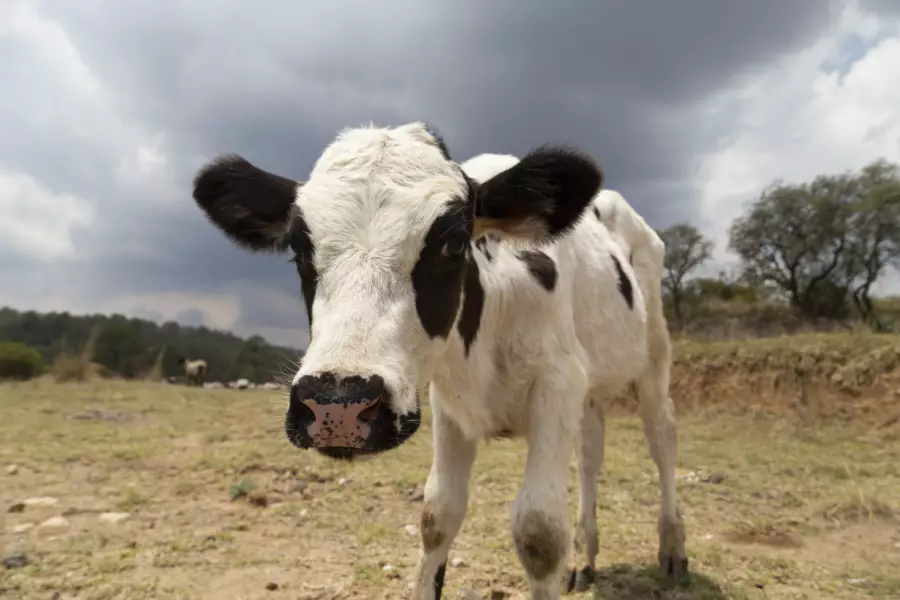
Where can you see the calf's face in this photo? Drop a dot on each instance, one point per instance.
(381, 234)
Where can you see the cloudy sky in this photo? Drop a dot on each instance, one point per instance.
(108, 107)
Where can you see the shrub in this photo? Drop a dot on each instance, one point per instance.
(18, 361)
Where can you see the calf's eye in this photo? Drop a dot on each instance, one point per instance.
(454, 247)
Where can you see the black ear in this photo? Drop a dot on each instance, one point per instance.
(251, 206)
(541, 197)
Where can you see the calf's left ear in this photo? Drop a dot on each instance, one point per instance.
(250, 206)
(541, 197)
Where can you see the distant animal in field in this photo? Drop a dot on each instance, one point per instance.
(194, 371)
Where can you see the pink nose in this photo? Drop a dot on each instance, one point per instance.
(339, 424)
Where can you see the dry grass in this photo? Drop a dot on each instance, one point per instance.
(221, 505)
(68, 366)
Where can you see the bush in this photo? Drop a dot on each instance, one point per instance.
(18, 361)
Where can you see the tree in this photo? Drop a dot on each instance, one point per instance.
(686, 249)
(794, 237)
(875, 234)
(824, 242)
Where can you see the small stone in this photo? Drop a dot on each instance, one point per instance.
(716, 478)
(304, 513)
(499, 595)
(468, 594)
(15, 561)
(41, 501)
(55, 522)
(457, 562)
(12, 469)
(114, 517)
(390, 572)
(412, 530)
(416, 494)
(344, 481)
(257, 498)
(271, 586)
(17, 507)
(22, 527)
(299, 487)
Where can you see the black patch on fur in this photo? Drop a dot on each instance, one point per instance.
(437, 279)
(249, 205)
(597, 214)
(482, 245)
(297, 238)
(439, 581)
(541, 267)
(624, 283)
(439, 139)
(473, 305)
(553, 184)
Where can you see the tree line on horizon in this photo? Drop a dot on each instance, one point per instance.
(130, 347)
(817, 247)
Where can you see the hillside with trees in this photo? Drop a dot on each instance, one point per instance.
(808, 256)
(130, 347)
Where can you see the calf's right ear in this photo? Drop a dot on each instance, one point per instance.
(251, 206)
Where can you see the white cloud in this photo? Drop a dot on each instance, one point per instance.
(828, 109)
(38, 222)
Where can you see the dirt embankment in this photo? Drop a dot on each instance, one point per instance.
(848, 377)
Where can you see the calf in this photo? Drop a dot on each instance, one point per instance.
(194, 371)
(485, 282)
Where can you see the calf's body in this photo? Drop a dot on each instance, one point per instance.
(505, 285)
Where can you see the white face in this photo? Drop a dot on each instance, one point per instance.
(381, 234)
(380, 207)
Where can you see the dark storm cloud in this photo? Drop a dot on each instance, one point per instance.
(276, 83)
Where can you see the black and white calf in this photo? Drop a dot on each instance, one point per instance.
(506, 285)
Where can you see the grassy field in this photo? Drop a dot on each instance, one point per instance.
(789, 479)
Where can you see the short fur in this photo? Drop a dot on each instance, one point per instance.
(406, 289)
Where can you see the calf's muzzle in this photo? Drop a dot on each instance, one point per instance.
(345, 417)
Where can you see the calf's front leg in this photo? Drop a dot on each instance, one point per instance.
(540, 519)
(446, 500)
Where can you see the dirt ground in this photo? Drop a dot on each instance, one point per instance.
(173, 492)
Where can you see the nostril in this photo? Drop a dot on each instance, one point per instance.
(300, 411)
(370, 413)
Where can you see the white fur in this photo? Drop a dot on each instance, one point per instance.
(541, 363)
(195, 371)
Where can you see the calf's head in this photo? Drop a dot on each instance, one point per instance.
(381, 234)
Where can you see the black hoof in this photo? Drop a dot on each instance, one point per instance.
(579, 581)
(673, 568)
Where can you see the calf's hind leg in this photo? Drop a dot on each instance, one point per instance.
(658, 416)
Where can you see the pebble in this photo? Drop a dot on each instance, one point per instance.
(271, 586)
(17, 507)
(458, 562)
(55, 522)
(12, 469)
(22, 527)
(16, 561)
(40, 501)
(300, 487)
(412, 530)
(468, 594)
(344, 481)
(114, 517)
